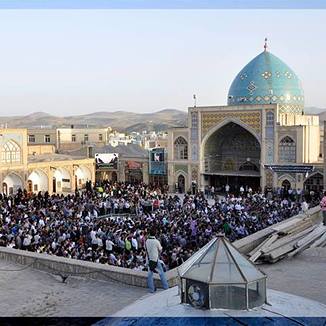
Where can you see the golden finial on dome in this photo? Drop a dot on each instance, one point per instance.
(265, 45)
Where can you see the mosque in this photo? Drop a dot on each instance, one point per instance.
(261, 138)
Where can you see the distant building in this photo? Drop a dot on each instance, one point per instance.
(37, 167)
(41, 141)
(74, 138)
(119, 138)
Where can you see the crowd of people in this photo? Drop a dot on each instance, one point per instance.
(110, 223)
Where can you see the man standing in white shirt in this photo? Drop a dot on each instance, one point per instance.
(153, 249)
(109, 245)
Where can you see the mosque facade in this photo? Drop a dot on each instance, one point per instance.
(261, 138)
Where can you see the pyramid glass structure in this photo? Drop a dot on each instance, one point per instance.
(224, 276)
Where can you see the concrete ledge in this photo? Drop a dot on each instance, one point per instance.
(66, 266)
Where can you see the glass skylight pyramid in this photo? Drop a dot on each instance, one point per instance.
(225, 277)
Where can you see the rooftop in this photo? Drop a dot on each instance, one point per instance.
(52, 157)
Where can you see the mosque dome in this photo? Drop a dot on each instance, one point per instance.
(267, 80)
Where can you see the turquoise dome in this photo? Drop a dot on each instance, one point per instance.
(267, 80)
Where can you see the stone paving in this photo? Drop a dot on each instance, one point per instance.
(303, 275)
(35, 293)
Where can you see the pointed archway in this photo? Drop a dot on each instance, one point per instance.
(231, 155)
(314, 182)
(62, 180)
(38, 181)
(11, 184)
(82, 175)
(181, 183)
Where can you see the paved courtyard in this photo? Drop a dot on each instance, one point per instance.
(35, 293)
(303, 275)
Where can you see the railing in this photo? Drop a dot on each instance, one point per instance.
(117, 216)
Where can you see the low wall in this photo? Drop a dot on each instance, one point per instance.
(72, 267)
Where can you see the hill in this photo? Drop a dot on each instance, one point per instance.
(314, 110)
(119, 120)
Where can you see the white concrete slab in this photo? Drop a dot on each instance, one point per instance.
(167, 304)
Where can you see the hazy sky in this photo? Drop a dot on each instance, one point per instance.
(81, 61)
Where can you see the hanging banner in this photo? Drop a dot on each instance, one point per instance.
(290, 168)
(157, 163)
(107, 160)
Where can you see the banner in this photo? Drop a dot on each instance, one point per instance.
(107, 160)
(157, 165)
(290, 168)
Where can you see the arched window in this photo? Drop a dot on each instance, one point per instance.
(287, 150)
(269, 119)
(181, 149)
(10, 152)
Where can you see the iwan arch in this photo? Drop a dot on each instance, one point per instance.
(55, 173)
(261, 138)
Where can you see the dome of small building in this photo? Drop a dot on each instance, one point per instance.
(267, 80)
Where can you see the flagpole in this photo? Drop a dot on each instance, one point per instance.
(195, 100)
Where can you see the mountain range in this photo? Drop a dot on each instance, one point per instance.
(119, 120)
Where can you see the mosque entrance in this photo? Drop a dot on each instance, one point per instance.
(232, 156)
(234, 181)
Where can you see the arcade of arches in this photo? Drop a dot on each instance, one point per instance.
(314, 182)
(232, 156)
(39, 179)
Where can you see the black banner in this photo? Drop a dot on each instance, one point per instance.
(290, 168)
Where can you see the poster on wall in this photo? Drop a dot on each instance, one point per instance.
(157, 164)
(107, 160)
